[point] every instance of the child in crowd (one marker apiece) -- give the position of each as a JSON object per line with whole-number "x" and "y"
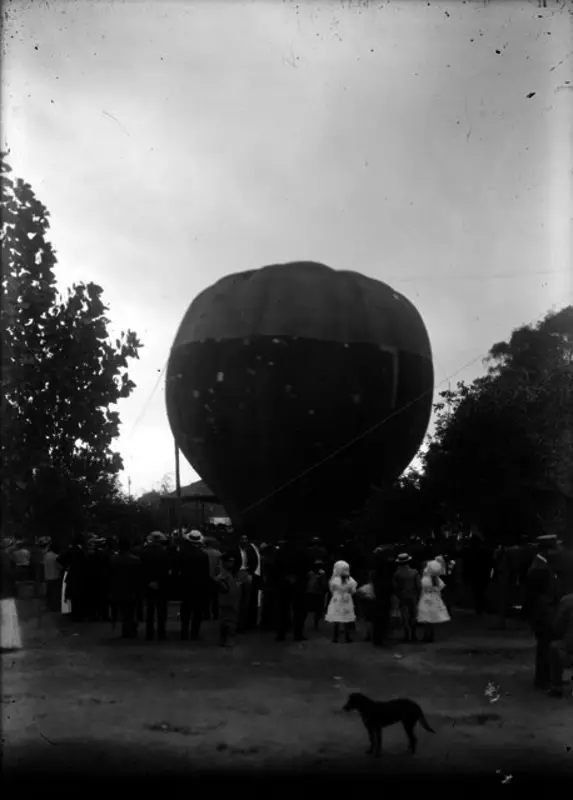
{"x": 316, "y": 587}
{"x": 229, "y": 599}
{"x": 341, "y": 607}
{"x": 407, "y": 588}
{"x": 431, "y": 608}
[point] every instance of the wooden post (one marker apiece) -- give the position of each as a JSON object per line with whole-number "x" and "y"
{"x": 178, "y": 487}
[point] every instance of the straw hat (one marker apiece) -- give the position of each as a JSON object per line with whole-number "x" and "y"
{"x": 403, "y": 558}
{"x": 195, "y": 537}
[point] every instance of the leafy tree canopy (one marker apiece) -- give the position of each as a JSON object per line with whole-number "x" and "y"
{"x": 500, "y": 460}
{"x": 62, "y": 378}
{"x": 502, "y": 452}
{"x": 394, "y": 512}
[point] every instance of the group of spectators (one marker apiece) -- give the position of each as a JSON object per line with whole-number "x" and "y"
{"x": 246, "y": 585}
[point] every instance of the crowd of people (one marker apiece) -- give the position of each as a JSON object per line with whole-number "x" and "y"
{"x": 245, "y": 585}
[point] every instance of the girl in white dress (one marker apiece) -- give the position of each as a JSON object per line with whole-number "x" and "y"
{"x": 431, "y": 608}
{"x": 10, "y": 636}
{"x": 341, "y": 607}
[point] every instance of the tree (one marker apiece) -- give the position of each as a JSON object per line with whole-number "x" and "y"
{"x": 502, "y": 452}
{"x": 62, "y": 377}
{"x": 151, "y": 499}
{"x": 121, "y": 516}
{"x": 167, "y": 485}
{"x": 393, "y": 512}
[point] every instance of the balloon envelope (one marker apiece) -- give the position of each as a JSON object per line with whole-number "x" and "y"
{"x": 278, "y": 386}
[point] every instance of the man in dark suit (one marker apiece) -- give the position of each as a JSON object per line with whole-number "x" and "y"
{"x": 383, "y": 576}
{"x": 479, "y": 563}
{"x": 561, "y": 652}
{"x": 317, "y": 552}
{"x": 249, "y": 559}
{"x": 72, "y": 561}
{"x": 539, "y": 608}
{"x": 292, "y": 566}
{"x": 194, "y": 577}
{"x": 155, "y": 569}
{"x": 125, "y": 589}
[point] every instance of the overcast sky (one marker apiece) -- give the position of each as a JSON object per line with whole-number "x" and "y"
{"x": 174, "y": 143}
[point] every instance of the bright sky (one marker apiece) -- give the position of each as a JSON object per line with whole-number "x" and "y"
{"x": 174, "y": 143}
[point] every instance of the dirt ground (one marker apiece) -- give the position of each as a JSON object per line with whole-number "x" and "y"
{"x": 77, "y": 699}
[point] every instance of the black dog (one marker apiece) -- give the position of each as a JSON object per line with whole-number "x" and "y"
{"x": 376, "y": 715}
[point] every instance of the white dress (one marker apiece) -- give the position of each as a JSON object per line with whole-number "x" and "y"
{"x": 10, "y": 636}
{"x": 431, "y": 607}
{"x": 341, "y": 606}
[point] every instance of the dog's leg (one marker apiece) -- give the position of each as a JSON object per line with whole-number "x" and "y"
{"x": 370, "y": 730}
{"x": 378, "y": 749}
{"x": 409, "y": 728}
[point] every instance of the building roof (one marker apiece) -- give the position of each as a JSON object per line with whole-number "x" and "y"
{"x": 195, "y": 491}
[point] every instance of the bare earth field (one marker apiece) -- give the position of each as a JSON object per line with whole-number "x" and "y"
{"x": 78, "y": 701}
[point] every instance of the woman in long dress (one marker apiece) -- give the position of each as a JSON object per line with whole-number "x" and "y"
{"x": 431, "y": 608}
{"x": 341, "y": 607}
{"x": 11, "y": 638}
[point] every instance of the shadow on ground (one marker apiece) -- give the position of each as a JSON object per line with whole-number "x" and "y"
{"x": 77, "y": 703}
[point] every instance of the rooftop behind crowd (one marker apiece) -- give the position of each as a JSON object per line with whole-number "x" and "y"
{"x": 245, "y": 585}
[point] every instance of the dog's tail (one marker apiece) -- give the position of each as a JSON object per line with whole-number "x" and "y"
{"x": 424, "y": 723}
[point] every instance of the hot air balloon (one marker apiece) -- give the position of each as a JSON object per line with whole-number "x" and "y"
{"x": 278, "y": 384}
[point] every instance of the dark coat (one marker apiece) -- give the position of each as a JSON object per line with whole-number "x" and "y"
{"x": 268, "y": 566}
{"x": 383, "y": 581}
{"x": 540, "y": 597}
{"x": 96, "y": 573}
{"x": 317, "y": 552}
{"x": 193, "y": 573}
{"x": 73, "y": 561}
{"x": 103, "y": 571}
{"x": 292, "y": 565}
{"x": 155, "y": 566}
{"x": 125, "y": 584}
{"x": 563, "y": 622}
{"x": 478, "y": 561}
{"x": 229, "y": 596}
{"x": 563, "y": 564}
